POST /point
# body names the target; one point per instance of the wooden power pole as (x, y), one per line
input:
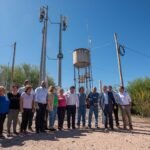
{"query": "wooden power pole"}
(119, 59)
(13, 63)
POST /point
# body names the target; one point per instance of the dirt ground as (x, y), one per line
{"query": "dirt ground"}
(84, 139)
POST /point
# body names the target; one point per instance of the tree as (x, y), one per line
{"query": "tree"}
(21, 73)
(140, 93)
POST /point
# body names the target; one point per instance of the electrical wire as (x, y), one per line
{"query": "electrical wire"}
(49, 58)
(102, 46)
(6, 45)
(138, 52)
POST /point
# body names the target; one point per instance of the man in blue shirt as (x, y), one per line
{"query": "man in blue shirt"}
(93, 99)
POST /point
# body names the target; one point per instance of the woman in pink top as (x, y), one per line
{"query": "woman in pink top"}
(61, 108)
(26, 107)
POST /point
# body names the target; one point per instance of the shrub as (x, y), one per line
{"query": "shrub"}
(140, 93)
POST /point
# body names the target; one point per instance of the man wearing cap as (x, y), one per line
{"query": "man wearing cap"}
(41, 96)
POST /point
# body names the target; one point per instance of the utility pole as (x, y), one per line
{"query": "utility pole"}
(7, 76)
(44, 19)
(60, 54)
(45, 43)
(100, 86)
(119, 59)
(13, 63)
(62, 27)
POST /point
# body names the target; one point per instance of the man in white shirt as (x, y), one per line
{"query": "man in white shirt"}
(72, 102)
(125, 104)
(41, 94)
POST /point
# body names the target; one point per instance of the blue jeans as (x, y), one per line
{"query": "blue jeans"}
(52, 117)
(81, 113)
(91, 110)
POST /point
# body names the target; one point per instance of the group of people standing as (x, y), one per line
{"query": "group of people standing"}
(110, 103)
(45, 103)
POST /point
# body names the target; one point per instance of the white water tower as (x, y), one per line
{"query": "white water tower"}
(82, 68)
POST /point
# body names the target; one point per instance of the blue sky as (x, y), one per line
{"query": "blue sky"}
(129, 18)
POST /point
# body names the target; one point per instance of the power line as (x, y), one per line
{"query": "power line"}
(104, 45)
(138, 52)
(6, 45)
(50, 58)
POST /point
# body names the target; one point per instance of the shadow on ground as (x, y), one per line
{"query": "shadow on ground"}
(56, 136)
(48, 136)
(140, 128)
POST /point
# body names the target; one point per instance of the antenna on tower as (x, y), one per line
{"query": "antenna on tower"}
(90, 47)
(88, 37)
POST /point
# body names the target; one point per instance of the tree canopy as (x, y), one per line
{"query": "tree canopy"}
(21, 73)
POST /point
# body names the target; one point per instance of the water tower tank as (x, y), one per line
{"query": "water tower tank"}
(81, 58)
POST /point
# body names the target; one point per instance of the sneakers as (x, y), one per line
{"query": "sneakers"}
(24, 132)
(9, 135)
(2, 136)
(16, 133)
(89, 127)
(112, 129)
(46, 128)
(52, 129)
(106, 130)
(30, 129)
(42, 131)
(97, 127)
(37, 131)
(59, 128)
(131, 128)
(84, 127)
